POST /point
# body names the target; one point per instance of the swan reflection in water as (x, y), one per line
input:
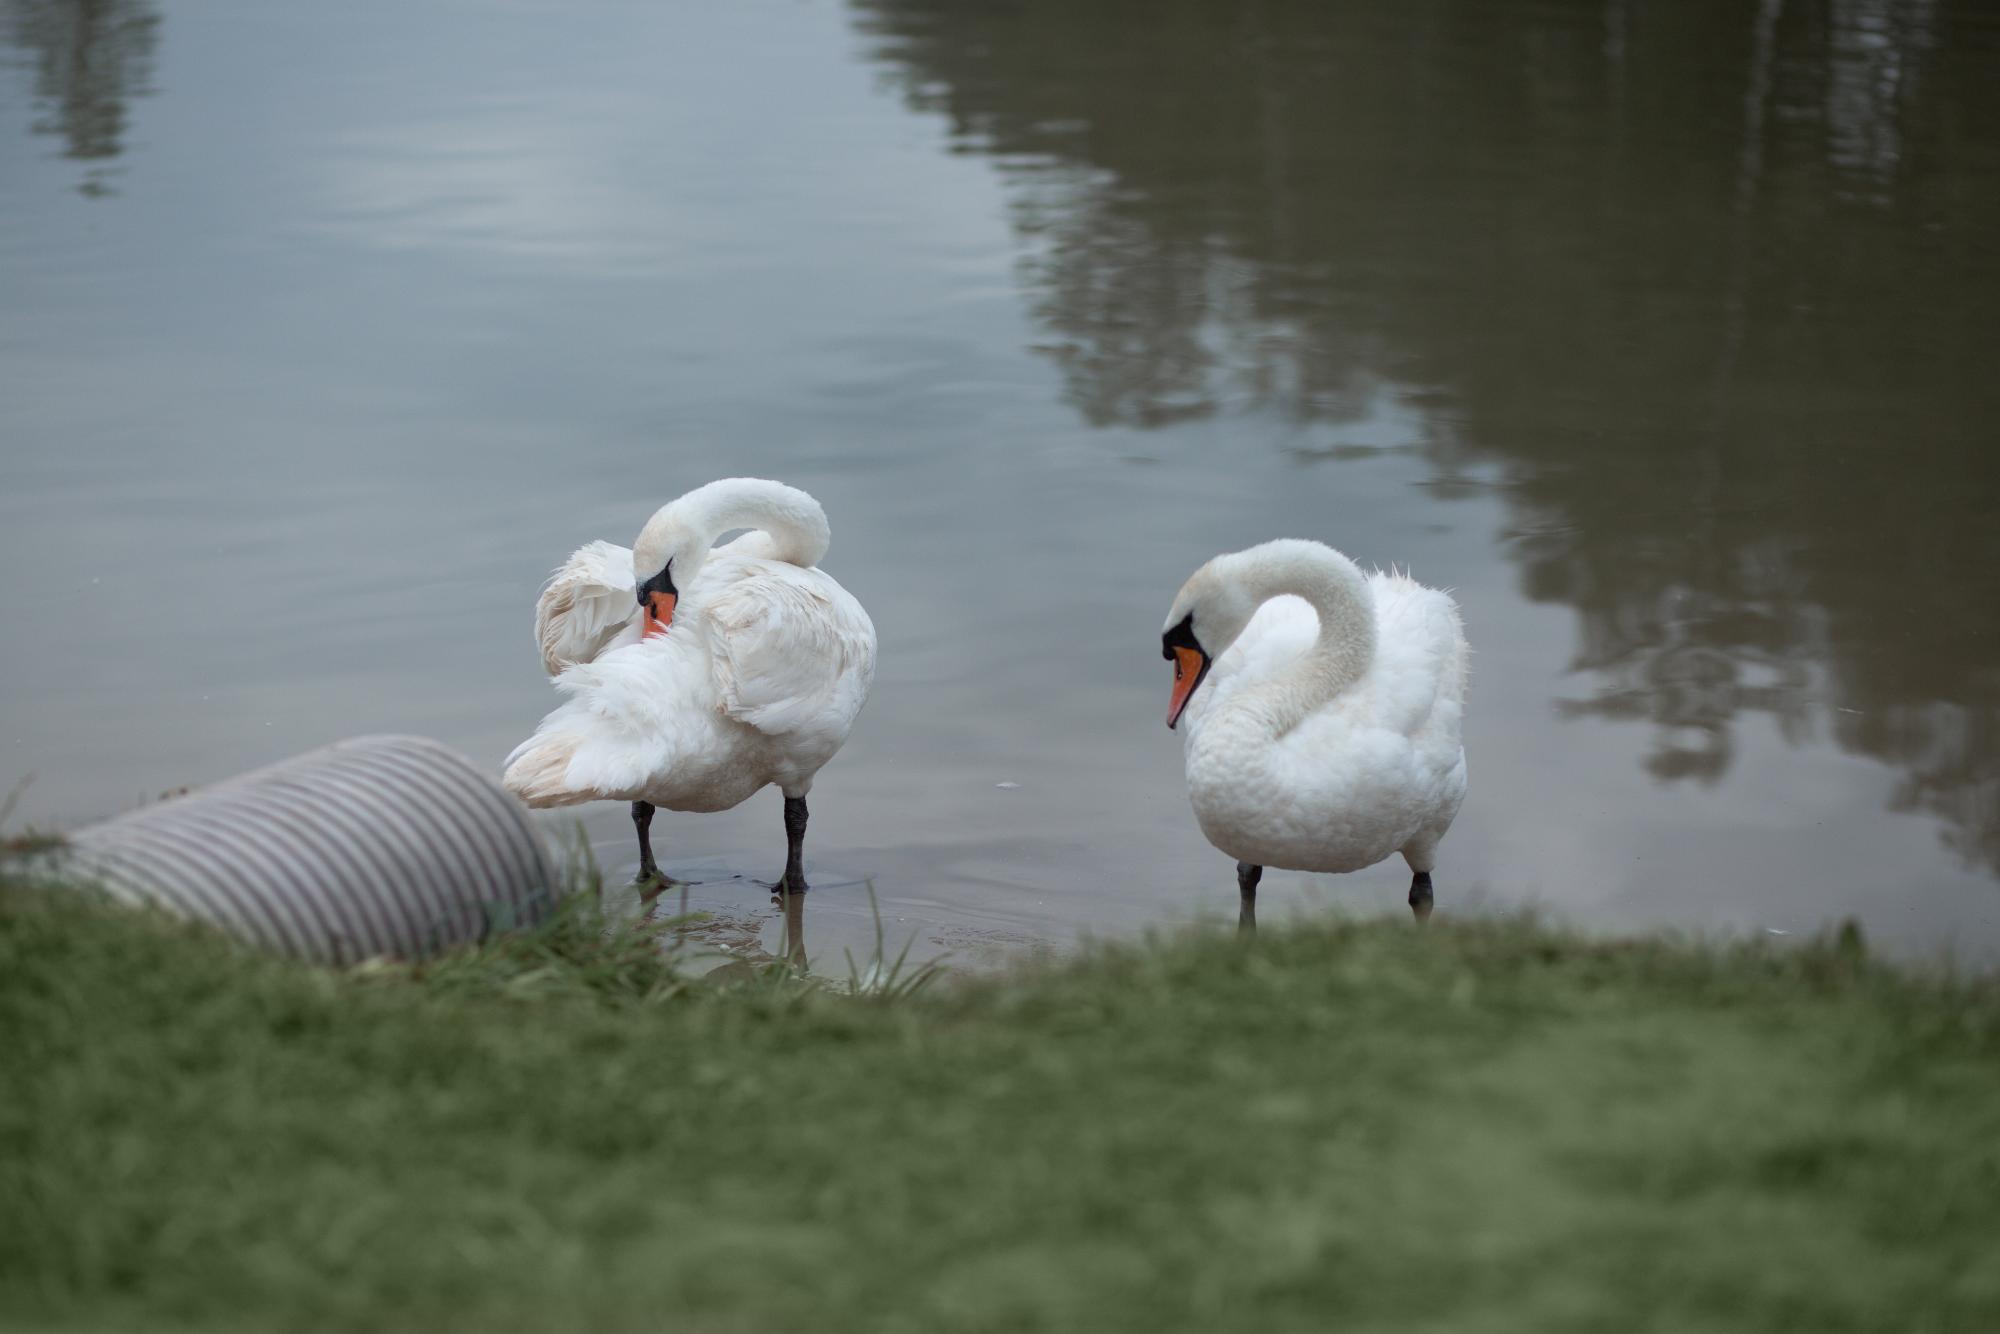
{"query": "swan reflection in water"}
(706, 933)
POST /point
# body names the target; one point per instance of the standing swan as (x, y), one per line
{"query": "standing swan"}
(696, 676)
(1328, 737)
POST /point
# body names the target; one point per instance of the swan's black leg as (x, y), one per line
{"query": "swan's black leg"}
(1247, 877)
(642, 820)
(1420, 895)
(795, 847)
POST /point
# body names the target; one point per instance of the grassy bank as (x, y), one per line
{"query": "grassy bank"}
(1483, 1126)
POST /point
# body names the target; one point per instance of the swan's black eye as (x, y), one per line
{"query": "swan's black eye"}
(1181, 636)
(663, 582)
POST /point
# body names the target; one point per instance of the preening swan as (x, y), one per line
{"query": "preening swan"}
(1328, 735)
(698, 674)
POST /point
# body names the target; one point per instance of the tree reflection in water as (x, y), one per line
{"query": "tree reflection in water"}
(90, 58)
(1710, 283)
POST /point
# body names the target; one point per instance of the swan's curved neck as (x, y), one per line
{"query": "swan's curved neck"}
(1340, 597)
(793, 520)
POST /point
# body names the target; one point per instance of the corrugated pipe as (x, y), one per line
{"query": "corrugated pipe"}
(390, 846)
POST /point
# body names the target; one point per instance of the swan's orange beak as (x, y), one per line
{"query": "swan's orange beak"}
(1190, 665)
(659, 613)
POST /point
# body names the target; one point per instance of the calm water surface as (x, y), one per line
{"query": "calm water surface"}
(1661, 333)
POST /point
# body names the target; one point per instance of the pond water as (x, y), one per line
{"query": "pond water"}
(1663, 334)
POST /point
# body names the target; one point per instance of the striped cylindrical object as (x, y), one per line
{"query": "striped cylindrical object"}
(390, 846)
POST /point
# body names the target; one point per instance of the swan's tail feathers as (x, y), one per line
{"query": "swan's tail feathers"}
(538, 772)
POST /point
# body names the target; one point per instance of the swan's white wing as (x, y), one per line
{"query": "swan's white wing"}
(1418, 677)
(792, 651)
(1278, 634)
(586, 602)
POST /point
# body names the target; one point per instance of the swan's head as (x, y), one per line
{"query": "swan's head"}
(665, 560)
(1211, 611)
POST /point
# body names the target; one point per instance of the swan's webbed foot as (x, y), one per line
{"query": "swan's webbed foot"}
(1420, 895)
(1247, 877)
(794, 879)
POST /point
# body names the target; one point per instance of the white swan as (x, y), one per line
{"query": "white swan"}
(696, 676)
(1328, 737)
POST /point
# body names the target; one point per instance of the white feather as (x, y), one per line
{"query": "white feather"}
(758, 681)
(585, 604)
(1324, 747)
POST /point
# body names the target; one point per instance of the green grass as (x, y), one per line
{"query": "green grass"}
(1353, 1126)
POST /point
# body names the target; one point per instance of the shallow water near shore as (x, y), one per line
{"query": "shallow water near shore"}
(1661, 336)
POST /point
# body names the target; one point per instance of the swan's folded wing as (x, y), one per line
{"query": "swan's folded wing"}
(792, 650)
(1420, 656)
(586, 602)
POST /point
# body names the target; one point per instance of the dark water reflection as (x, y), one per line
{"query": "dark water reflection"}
(1658, 331)
(89, 59)
(1714, 286)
